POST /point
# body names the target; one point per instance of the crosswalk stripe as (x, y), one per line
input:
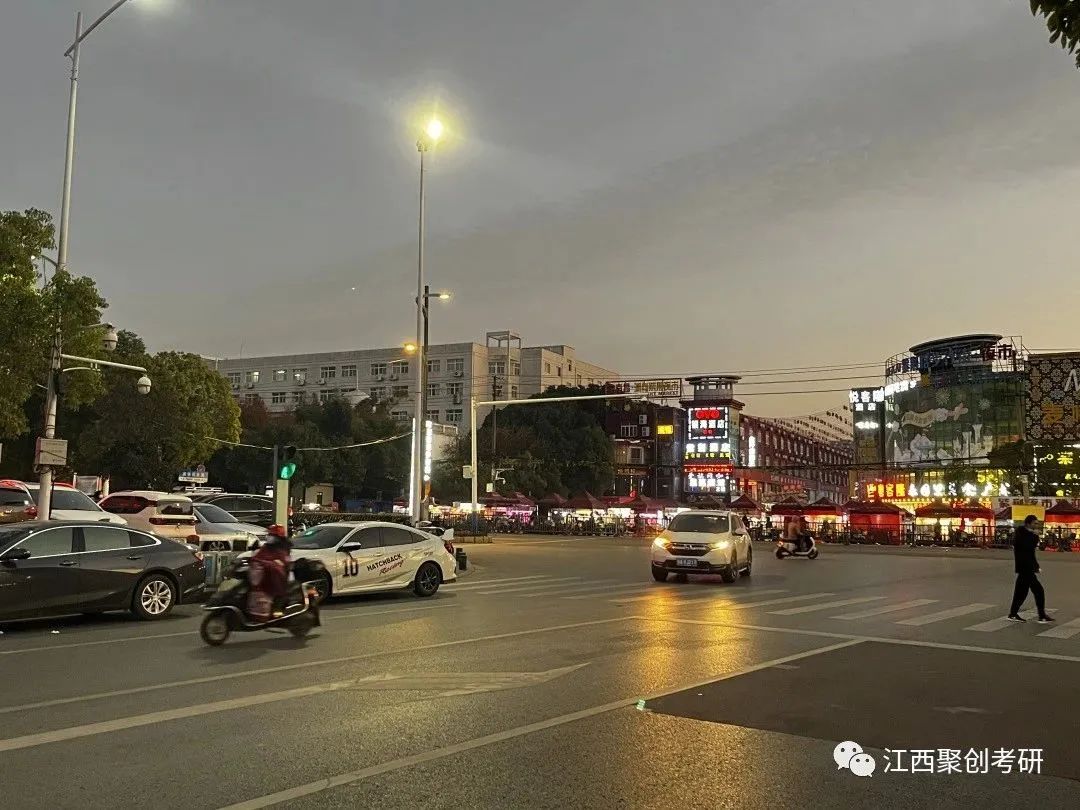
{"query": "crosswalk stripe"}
(878, 611)
(824, 606)
(464, 586)
(1066, 630)
(999, 623)
(781, 601)
(951, 613)
(696, 592)
(530, 586)
(603, 584)
(631, 589)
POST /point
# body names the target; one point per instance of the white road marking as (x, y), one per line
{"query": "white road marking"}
(825, 606)
(352, 777)
(135, 690)
(598, 585)
(951, 613)
(1066, 630)
(878, 611)
(549, 583)
(695, 592)
(641, 587)
(326, 616)
(468, 585)
(1000, 623)
(781, 601)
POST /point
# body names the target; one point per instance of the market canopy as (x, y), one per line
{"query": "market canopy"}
(1063, 512)
(586, 500)
(823, 506)
(789, 506)
(744, 503)
(552, 501)
(872, 508)
(971, 510)
(643, 503)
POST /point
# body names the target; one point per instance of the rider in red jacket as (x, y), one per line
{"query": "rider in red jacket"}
(269, 574)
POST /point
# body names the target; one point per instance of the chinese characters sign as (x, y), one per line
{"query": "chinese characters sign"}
(956, 761)
(1053, 398)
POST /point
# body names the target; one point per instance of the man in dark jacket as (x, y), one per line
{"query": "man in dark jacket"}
(1027, 567)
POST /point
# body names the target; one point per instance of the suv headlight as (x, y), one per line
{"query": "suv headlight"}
(721, 544)
(661, 542)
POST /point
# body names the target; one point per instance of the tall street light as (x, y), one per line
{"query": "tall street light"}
(424, 144)
(46, 461)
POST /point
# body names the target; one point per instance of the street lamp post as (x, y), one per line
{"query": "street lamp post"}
(56, 358)
(427, 140)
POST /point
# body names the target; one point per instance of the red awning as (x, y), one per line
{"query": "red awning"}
(872, 508)
(552, 501)
(1063, 512)
(823, 506)
(744, 503)
(586, 500)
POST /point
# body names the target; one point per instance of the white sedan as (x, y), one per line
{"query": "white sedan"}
(703, 542)
(367, 557)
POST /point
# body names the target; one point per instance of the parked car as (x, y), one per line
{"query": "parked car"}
(248, 508)
(365, 557)
(50, 568)
(442, 532)
(18, 501)
(166, 514)
(219, 530)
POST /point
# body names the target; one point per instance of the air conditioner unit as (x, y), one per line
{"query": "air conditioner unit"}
(457, 400)
(322, 380)
(459, 373)
(393, 376)
(381, 378)
(301, 382)
(251, 385)
(235, 386)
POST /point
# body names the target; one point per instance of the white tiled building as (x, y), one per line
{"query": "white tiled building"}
(456, 371)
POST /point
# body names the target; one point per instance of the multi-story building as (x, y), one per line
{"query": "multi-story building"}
(455, 372)
(831, 426)
(779, 462)
(649, 441)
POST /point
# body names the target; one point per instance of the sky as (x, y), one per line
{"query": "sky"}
(673, 187)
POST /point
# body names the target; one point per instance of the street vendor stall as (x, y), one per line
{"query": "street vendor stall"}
(1061, 524)
(966, 523)
(876, 522)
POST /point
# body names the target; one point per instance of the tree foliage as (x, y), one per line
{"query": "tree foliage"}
(1063, 21)
(30, 314)
(145, 441)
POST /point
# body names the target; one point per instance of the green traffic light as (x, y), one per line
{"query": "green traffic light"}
(287, 470)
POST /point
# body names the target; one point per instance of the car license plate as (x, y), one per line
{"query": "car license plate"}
(686, 563)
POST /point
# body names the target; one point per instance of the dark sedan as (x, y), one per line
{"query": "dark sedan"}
(50, 568)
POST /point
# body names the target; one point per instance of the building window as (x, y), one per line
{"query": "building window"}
(277, 398)
(513, 392)
(434, 390)
(637, 455)
(399, 416)
(643, 419)
(628, 431)
(645, 432)
(400, 367)
(433, 415)
(497, 368)
(348, 371)
(400, 392)
(559, 370)
(378, 369)
(377, 393)
(250, 398)
(434, 366)
(280, 374)
(454, 390)
(569, 365)
(298, 397)
(251, 377)
(299, 376)
(515, 367)
(327, 372)
(234, 378)
(324, 396)
(455, 365)
(453, 416)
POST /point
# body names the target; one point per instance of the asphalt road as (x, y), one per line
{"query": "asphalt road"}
(557, 674)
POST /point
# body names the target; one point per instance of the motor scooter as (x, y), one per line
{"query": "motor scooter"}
(227, 608)
(789, 548)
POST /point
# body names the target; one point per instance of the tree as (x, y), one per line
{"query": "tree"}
(1063, 21)
(147, 440)
(30, 314)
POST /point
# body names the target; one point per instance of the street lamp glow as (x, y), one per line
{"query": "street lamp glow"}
(410, 348)
(434, 129)
(444, 296)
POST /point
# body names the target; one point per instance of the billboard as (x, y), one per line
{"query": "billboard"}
(654, 389)
(1052, 398)
(954, 424)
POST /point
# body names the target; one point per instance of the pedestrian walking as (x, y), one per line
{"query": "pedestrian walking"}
(1025, 541)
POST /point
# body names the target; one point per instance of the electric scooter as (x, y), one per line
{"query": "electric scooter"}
(788, 548)
(227, 608)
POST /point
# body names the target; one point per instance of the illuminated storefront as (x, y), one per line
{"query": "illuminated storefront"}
(712, 438)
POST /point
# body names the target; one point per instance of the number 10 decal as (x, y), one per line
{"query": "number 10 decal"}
(352, 568)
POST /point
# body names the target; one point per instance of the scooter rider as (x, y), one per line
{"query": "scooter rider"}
(269, 574)
(794, 532)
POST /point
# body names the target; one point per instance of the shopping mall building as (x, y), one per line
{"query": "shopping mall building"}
(974, 416)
